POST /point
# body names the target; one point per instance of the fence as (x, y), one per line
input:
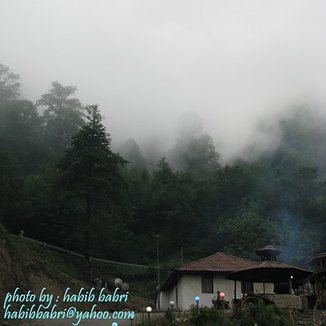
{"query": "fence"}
(103, 261)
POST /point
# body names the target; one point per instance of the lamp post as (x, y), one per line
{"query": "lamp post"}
(171, 304)
(197, 299)
(157, 260)
(158, 268)
(149, 310)
(291, 284)
(131, 319)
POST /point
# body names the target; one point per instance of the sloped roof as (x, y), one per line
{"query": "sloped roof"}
(269, 271)
(315, 259)
(268, 249)
(218, 263)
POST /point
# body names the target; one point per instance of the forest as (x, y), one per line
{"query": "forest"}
(62, 183)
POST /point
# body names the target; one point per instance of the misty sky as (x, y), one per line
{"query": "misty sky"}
(148, 62)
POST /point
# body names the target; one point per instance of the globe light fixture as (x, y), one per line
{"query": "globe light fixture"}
(197, 299)
(118, 282)
(149, 309)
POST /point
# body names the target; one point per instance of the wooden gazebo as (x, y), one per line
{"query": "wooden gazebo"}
(318, 262)
(269, 270)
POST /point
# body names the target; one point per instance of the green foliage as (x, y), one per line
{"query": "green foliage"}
(44, 218)
(9, 85)
(89, 179)
(20, 134)
(196, 206)
(259, 314)
(207, 317)
(267, 315)
(194, 150)
(130, 150)
(11, 201)
(243, 235)
(240, 316)
(63, 115)
(169, 316)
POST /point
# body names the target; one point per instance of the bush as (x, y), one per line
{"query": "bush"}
(206, 317)
(266, 315)
(169, 317)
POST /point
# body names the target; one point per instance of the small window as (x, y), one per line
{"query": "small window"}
(247, 287)
(207, 284)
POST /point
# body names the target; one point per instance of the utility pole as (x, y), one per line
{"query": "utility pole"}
(157, 261)
(158, 267)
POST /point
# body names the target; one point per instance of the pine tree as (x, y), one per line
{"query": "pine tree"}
(63, 115)
(90, 172)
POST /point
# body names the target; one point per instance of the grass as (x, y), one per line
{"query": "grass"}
(259, 314)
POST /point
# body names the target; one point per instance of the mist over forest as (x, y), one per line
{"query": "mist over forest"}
(63, 182)
(202, 123)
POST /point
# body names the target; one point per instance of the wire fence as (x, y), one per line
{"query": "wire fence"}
(92, 259)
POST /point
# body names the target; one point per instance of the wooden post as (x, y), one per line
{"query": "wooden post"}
(235, 289)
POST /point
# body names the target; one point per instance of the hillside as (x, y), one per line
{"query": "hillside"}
(32, 268)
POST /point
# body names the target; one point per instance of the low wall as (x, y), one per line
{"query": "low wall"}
(286, 300)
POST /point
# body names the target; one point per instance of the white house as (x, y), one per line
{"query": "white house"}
(203, 278)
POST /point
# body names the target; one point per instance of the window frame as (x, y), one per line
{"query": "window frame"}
(207, 284)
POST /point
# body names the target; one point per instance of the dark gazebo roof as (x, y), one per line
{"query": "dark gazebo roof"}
(317, 259)
(270, 271)
(268, 252)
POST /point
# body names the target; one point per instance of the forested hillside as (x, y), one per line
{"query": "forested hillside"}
(62, 183)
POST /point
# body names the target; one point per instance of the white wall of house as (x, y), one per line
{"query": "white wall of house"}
(165, 297)
(189, 286)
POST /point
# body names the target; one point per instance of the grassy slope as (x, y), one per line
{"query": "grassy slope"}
(32, 267)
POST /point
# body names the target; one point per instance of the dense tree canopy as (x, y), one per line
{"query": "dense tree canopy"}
(89, 173)
(87, 198)
(21, 133)
(63, 115)
(9, 85)
(194, 150)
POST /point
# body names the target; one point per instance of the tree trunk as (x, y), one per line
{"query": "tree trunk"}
(87, 244)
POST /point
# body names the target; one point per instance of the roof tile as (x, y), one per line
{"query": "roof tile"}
(218, 262)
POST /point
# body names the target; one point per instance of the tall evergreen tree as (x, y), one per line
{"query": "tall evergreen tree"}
(20, 134)
(63, 115)
(9, 85)
(194, 150)
(90, 172)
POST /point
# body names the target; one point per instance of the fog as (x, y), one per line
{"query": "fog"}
(236, 64)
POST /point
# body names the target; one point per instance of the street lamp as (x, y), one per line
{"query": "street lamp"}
(158, 268)
(197, 299)
(149, 310)
(118, 283)
(171, 304)
(157, 260)
(291, 284)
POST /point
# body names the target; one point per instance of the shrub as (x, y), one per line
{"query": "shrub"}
(206, 317)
